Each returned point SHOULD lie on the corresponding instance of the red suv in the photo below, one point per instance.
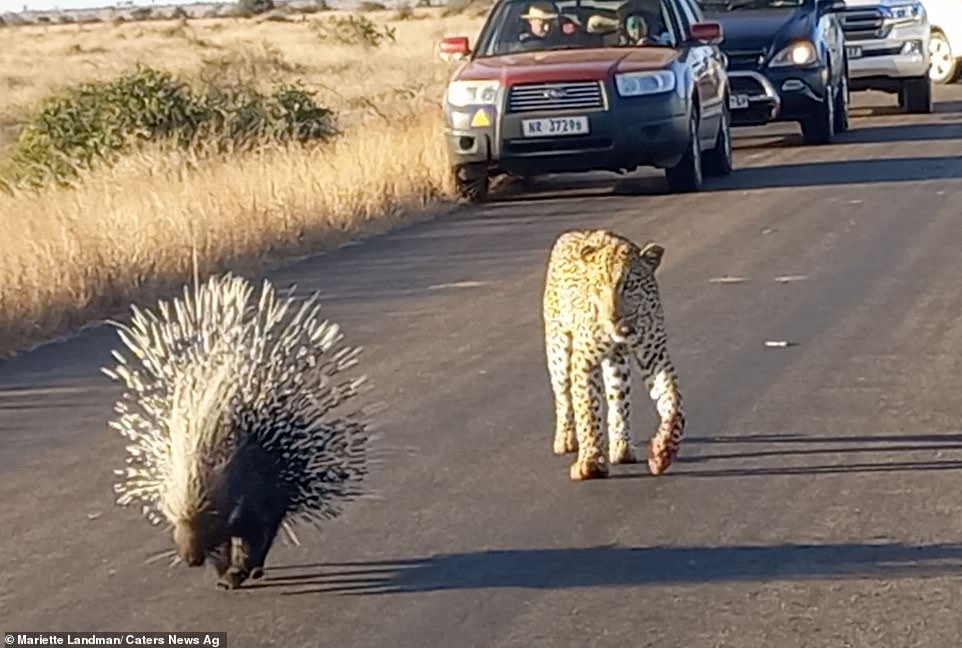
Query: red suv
(589, 85)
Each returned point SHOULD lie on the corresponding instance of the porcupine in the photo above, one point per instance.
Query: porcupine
(228, 410)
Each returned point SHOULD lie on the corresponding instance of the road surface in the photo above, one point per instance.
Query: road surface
(817, 502)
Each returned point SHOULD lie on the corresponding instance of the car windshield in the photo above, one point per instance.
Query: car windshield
(726, 6)
(542, 25)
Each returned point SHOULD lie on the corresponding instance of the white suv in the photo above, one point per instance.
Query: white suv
(887, 47)
(945, 47)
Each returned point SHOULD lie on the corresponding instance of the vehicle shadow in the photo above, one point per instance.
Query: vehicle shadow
(613, 566)
(901, 133)
(938, 107)
(843, 172)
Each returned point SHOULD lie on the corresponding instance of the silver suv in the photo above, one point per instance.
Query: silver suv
(887, 46)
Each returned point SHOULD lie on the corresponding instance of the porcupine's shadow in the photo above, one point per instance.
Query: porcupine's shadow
(611, 566)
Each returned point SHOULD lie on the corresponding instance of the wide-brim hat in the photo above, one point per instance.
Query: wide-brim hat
(540, 12)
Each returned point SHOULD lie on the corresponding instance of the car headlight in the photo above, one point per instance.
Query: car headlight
(800, 53)
(912, 12)
(636, 84)
(468, 93)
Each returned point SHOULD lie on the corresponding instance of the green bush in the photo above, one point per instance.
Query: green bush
(93, 123)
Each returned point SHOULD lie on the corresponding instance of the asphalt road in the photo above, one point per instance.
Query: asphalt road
(817, 502)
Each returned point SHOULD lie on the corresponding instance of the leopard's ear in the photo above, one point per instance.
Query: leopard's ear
(651, 254)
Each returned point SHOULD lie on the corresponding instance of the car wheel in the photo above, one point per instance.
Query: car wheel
(916, 95)
(472, 182)
(841, 106)
(686, 176)
(820, 127)
(945, 69)
(718, 160)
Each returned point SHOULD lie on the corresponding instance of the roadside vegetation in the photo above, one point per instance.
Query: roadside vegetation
(127, 146)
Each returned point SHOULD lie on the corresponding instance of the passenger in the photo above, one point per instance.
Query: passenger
(636, 30)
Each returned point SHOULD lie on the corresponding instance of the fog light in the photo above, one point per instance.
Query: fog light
(460, 120)
(912, 47)
(792, 85)
(466, 144)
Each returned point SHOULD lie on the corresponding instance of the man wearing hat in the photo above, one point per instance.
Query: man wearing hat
(545, 21)
(540, 16)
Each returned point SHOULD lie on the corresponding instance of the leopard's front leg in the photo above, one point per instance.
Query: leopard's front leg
(558, 349)
(616, 369)
(586, 389)
(661, 381)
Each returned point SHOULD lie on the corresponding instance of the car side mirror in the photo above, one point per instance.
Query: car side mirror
(707, 32)
(454, 48)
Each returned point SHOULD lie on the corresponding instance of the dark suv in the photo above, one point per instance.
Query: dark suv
(786, 62)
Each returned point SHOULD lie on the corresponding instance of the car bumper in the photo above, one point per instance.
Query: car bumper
(904, 54)
(776, 94)
(643, 131)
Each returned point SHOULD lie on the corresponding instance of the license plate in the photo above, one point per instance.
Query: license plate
(737, 102)
(554, 126)
(853, 52)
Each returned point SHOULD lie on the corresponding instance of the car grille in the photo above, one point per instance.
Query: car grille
(864, 24)
(746, 85)
(745, 59)
(552, 97)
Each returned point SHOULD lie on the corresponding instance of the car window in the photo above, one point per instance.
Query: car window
(726, 6)
(687, 14)
(541, 25)
(693, 11)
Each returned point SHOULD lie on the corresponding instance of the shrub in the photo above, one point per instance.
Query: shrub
(404, 12)
(93, 123)
(141, 13)
(253, 7)
(353, 30)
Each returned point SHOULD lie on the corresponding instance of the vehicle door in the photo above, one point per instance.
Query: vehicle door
(829, 34)
(708, 64)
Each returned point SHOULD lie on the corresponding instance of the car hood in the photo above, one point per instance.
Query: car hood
(566, 65)
(758, 29)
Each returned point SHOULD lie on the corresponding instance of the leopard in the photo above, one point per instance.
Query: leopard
(601, 308)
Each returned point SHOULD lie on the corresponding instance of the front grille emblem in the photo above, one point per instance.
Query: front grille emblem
(555, 93)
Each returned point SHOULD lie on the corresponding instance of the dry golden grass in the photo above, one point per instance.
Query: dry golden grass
(126, 233)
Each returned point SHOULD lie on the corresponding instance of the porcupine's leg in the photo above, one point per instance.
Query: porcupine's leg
(221, 558)
(238, 571)
(259, 542)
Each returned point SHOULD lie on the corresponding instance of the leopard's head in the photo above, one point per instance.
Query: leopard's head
(622, 276)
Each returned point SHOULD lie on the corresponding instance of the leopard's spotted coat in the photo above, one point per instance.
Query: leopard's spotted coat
(602, 305)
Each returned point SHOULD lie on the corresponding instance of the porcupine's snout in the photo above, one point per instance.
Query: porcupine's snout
(188, 548)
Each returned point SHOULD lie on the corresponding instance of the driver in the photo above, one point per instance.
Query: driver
(541, 17)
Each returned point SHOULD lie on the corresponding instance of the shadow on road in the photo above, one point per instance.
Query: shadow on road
(609, 566)
(812, 174)
(900, 445)
(941, 107)
(901, 133)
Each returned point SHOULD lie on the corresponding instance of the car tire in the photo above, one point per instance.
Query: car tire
(842, 98)
(717, 161)
(472, 183)
(915, 96)
(945, 68)
(820, 127)
(686, 176)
